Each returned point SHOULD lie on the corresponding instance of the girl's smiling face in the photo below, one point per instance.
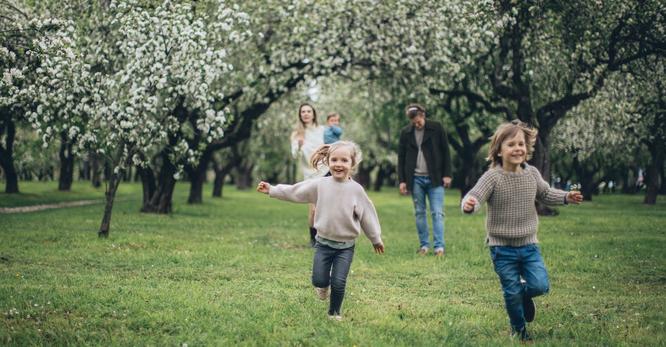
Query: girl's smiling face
(340, 163)
(513, 152)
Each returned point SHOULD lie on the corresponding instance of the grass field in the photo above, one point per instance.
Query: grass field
(237, 271)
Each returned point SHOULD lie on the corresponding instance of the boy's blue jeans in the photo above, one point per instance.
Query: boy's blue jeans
(422, 188)
(512, 263)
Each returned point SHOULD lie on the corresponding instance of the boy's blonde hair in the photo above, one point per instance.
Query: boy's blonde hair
(320, 156)
(508, 131)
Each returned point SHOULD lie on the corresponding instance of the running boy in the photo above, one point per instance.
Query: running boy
(511, 187)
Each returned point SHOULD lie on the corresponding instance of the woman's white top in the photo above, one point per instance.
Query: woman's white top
(314, 137)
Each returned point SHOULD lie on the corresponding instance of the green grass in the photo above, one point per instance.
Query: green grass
(237, 271)
(37, 193)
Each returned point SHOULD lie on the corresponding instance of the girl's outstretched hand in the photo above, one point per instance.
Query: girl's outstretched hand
(263, 187)
(379, 248)
(574, 197)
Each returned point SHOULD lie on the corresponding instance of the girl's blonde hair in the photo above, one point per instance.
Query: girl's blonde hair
(508, 131)
(299, 129)
(320, 156)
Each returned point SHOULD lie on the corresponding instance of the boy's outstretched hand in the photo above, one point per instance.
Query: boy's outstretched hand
(379, 248)
(263, 187)
(469, 204)
(574, 197)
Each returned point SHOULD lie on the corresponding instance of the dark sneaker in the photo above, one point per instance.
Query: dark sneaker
(529, 309)
(523, 335)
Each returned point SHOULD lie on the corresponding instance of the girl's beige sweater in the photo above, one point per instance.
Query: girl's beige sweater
(342, 210)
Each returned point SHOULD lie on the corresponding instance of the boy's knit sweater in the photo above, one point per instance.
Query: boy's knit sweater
(512, 217)
(342, 209)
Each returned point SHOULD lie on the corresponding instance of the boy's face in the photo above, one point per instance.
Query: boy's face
(333, 121)
(514, 150)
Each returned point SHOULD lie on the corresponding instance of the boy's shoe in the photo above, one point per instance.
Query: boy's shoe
(523, 335)
(322, 293)
(335, 317)
(422, 251)
(529, 309)
(439, 251)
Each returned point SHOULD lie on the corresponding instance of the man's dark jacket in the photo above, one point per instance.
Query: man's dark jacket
(435, 147)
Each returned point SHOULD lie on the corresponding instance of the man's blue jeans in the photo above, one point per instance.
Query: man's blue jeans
(512, 263)
(423, 187)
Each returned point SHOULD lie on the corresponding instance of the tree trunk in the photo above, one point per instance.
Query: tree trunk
(66, 164)
(84, 170)
(631, 181)
(627, 182)
(221, 172)
(147, 182)
(161, 199)
(7, 153)
(107, 170)
(96, 177)
(110, 194)
(384, 173)
(197, 177)
(662, 175)
(541, 160)
(468, 170)
(218, 184)
(244, 176)
(11, 178)
(652, 174)
(586, 177)
(196, 188)
(127, 176)
(540, 157)
(363, 176)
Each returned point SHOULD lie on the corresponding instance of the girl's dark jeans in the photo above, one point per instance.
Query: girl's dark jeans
(331, 267)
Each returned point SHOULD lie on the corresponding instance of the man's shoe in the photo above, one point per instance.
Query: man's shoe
(522, 334)
(322, 293)
(422, 250)
(439, 252)
(529, 309)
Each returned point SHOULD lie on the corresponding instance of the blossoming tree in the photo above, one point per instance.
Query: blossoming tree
(157, 72)
(29, 43)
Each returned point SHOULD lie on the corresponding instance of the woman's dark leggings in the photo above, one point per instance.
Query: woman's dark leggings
(331, 267)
